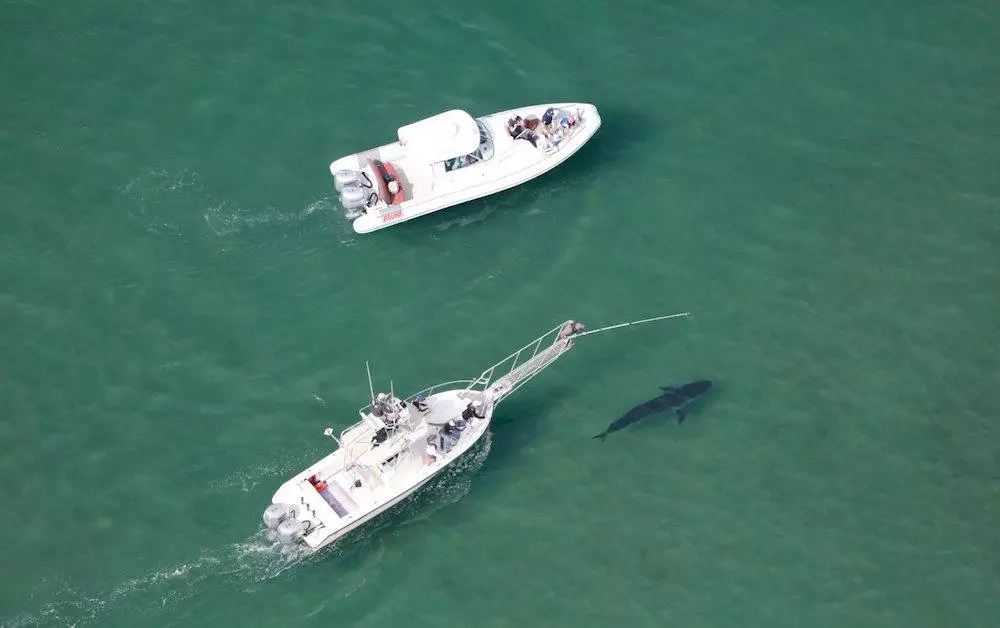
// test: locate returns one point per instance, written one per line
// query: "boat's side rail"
(511, 362)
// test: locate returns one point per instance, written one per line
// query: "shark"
(671, 398)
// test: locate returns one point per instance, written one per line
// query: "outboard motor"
(276, 513)
(354, 198)
(290, 530)
(343, 178)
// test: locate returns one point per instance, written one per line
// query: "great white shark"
(675, 399)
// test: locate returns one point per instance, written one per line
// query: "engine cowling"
(290, 530)
(354, 197)
(343, 178)
(276, 513)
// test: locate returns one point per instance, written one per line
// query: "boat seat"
(381, 169)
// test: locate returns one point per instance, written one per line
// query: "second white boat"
(453, 158)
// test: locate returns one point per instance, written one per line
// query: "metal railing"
(518, 368)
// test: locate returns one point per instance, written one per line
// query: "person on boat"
(452, 432)
(380, 437)
(547, 116)
(515, 126)
(517, 129)
(380, 405)
(472, 411)
(421, 403)
(571, 329)
(431, 454)
(556, 122)
(391, 420)
(449, 436)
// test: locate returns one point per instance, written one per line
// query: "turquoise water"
(184, 310)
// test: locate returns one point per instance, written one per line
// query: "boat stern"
(306, 510)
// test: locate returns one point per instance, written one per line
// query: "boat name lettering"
(392, 215)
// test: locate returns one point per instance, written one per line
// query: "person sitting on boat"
(452, 430)
(557, 122)
(519, 131)
(449, 436)
(515, 126)
(421, 403)
(431, 454)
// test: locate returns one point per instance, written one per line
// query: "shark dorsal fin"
(667, 388)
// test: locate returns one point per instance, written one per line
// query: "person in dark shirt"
(472, 411)
(519, 131)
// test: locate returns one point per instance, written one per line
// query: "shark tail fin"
(602, 436)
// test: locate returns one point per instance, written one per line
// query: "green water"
(183, 310)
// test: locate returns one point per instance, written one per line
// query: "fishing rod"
(370, 388)
(645, 320)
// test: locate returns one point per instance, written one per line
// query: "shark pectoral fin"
(680, 416)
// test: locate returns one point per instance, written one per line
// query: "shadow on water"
(519, 421)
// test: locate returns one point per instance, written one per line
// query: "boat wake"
(248, 562)
(245, 565)
(226, 219)
(174, 204)
(452, 485)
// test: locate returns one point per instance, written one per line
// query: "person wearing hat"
(421, 403)
(472, 411)
(547, 121)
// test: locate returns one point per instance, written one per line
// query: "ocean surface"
(184, 309)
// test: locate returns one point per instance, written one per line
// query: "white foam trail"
(173, 203)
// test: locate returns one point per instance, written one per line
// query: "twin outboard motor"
(282, 520)
(276, 513)
(291, 530)
(356, 191)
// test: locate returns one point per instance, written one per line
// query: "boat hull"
(337, 527)
(514, 162)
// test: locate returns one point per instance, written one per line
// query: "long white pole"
(645, 320)
(370, 388)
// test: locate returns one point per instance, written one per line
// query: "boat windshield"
(483, 153)
(485, 140)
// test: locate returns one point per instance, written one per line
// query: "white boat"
(400, 444)
(452, 158)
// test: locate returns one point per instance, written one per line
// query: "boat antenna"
(645, 320)
(370, 388)
(392, 391)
